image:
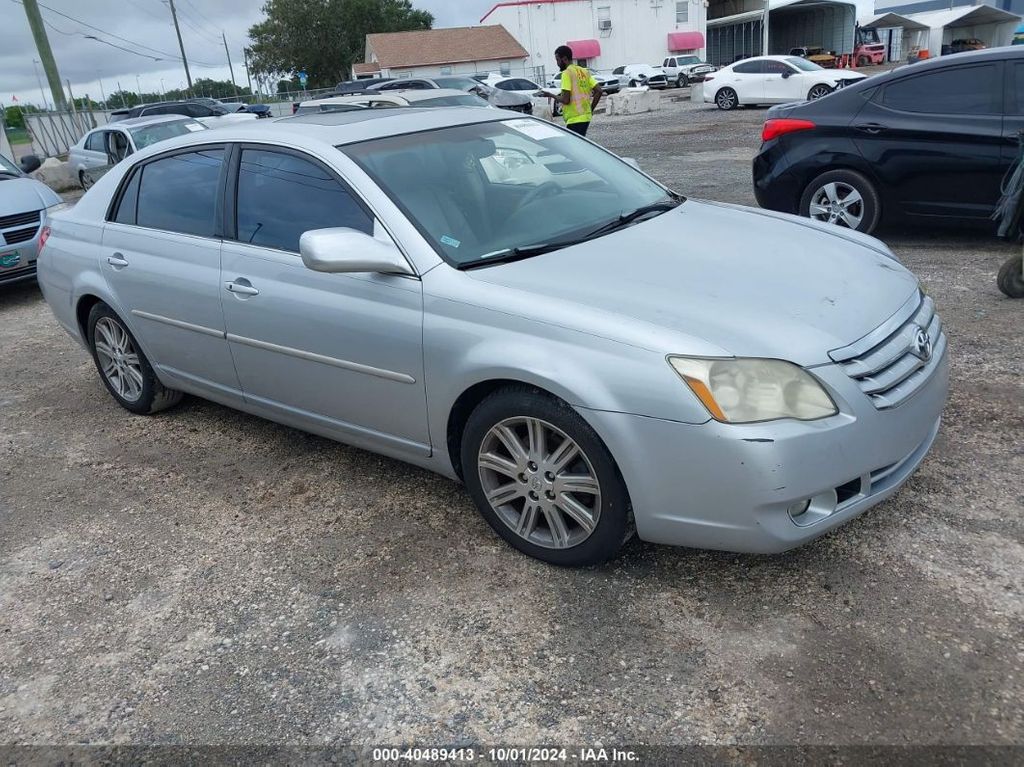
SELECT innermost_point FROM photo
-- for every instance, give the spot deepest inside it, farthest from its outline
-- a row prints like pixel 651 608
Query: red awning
pixel 685 41
pixel 585 49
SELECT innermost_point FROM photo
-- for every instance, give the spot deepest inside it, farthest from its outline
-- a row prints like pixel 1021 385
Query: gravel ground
pixel 208 577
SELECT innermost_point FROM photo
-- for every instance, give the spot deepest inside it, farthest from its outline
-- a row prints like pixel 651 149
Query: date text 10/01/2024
pixel 521 754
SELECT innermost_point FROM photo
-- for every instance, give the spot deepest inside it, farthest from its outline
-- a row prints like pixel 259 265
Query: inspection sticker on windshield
pixel 534 129
pixel 446 240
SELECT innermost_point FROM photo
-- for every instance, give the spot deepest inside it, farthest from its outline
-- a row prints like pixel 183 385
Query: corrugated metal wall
pixel 828 25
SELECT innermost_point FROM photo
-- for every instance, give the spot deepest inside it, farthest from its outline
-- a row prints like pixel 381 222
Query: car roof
pixel 138 122
pixel 322 129
pixel 397 96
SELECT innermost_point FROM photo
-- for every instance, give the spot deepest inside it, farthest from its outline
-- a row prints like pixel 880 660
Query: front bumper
pixel 18 259
pixel 731 487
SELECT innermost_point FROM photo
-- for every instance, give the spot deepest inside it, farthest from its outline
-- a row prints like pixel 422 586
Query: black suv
pixel 187 108
pixel 925 142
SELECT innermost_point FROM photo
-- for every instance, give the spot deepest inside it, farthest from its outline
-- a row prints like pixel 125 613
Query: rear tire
pixel 81 180
pixel 543 479
pixel 123 367
pixel 842 197
pixel 1011 277
pixel 726 99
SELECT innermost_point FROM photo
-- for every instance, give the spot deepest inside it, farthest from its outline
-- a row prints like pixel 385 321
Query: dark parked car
pixel 260 110
pixel 922 143
pixel 358 86
pixel 195 109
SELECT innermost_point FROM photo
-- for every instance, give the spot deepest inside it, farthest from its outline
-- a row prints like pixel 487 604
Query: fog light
pixel 799 508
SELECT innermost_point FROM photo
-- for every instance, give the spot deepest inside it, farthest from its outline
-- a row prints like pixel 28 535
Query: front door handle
pixel 872 128
pixel 241 287
pixel 117 261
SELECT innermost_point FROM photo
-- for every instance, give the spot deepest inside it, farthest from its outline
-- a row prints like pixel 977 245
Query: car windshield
pixel 503 189
pixel 465 100
pixel 458 83
pixel 151 134
pixel 688 60
pixel 8 167
pixel 804 64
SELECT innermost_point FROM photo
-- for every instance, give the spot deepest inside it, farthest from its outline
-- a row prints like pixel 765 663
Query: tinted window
pixel 1016 90
pixel 956 90
pixel 772 67
pixel 129 200
pixel 196 110
pixel 95 142
pixel 748 68
pixel 280 196
pixel 467 100
pixel 179 193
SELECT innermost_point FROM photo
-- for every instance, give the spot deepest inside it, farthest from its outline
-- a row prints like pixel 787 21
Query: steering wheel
pixel 547 189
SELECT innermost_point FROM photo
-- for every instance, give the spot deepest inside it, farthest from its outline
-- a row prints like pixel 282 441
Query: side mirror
pixel 342 251
pixel 30 163
pixel 786 75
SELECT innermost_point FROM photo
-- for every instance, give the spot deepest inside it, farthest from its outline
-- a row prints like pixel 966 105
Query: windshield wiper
pixel 507 255
pixel 634 215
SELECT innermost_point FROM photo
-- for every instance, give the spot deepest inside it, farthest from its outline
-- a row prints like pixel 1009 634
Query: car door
pixel 747 79
pixel 93 153
pixel 342 352
pixel 161 260
pixel 782 83
pixel 935 140
pixel 1013 117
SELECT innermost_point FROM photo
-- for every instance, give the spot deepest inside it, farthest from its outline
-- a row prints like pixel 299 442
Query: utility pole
pixel 35 22
pixel 230 68
pixel 181 45
pixel 245 58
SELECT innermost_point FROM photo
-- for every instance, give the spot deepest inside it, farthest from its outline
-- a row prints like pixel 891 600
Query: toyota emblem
pixel 922 345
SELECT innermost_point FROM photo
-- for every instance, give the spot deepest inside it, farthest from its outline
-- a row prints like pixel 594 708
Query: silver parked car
pixel 25 207
pixel 503 302
pixel 103 147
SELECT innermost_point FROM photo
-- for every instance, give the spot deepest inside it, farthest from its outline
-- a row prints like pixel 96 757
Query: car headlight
pixel 749 390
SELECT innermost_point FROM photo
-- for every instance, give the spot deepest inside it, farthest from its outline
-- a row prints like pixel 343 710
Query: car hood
pixel 21 195
pixel 748 283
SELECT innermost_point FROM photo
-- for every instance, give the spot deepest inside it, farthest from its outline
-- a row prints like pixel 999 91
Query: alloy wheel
pixel 119 359
pixel 837 203
pixel 818 91
pixel 726 98
pixel 539 482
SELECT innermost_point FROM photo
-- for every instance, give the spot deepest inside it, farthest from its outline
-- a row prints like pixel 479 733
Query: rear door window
pixel 282 195
pixel 967 90
pixel 179 193
pixel 748 68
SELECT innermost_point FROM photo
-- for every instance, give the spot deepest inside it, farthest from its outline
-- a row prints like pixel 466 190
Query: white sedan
pixel 772 80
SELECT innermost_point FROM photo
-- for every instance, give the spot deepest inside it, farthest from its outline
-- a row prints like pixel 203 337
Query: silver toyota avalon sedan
pixel 507 304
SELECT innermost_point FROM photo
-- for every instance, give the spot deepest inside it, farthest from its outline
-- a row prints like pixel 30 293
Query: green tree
pixel 217 89
pixel 14 117
pixel 324 37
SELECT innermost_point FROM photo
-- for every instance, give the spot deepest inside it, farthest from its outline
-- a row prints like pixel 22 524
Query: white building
pixel 603 34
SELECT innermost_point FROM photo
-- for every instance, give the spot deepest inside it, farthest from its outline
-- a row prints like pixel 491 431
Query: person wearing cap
pixel 580 92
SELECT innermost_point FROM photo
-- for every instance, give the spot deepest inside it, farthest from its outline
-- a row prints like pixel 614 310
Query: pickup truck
pixel 683 70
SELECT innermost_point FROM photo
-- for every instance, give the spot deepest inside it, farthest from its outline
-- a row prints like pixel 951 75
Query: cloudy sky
pixel 144 26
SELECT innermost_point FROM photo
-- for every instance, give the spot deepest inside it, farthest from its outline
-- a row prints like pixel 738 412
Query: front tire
pixel 123 367
pixel 82 180
pixel 726 99
pixel 863 61
pixel 682 81
pixel 543 479
pixel 1011 277
pixel 842 197
pixel 817 92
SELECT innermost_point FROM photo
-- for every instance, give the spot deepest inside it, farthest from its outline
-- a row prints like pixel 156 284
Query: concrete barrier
pixel 56 174
pixel 632 101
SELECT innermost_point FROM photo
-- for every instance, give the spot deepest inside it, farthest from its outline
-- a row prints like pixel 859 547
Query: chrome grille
pixel 14 236
pixel 890 363
pixel 19 219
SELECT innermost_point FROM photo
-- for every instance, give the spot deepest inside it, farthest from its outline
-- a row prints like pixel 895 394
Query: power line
pixel 199 13
pixel 117 37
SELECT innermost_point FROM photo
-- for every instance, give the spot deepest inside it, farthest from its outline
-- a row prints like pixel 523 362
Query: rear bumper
pixel 731 487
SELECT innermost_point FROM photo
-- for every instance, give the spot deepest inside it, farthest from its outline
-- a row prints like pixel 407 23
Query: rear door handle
pixel 242 288
pixel 117 261
pixel 871 128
